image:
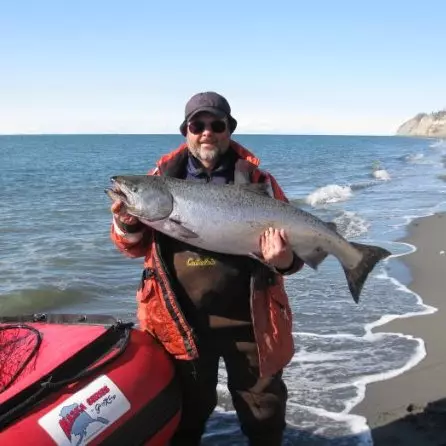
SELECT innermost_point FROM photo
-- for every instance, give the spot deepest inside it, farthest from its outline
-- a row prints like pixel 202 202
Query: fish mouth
pixel 115 192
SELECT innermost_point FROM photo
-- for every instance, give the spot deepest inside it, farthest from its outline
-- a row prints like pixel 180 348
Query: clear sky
pixel 301 67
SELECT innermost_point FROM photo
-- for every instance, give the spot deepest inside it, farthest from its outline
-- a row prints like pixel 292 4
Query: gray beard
pixel 206 155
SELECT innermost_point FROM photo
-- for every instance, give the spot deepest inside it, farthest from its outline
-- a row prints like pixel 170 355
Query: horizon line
pixel 179 134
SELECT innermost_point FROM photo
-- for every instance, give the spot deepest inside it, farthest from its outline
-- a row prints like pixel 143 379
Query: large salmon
pixel 230 219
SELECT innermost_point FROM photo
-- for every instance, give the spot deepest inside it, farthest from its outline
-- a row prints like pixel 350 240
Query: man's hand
pixel 276 249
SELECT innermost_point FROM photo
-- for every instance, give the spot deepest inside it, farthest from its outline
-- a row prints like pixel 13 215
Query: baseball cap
pixel 209 102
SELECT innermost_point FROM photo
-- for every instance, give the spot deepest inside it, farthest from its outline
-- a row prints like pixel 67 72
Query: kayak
pixel 78 379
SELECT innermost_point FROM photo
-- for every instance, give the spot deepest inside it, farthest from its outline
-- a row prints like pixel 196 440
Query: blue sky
pixel 325 67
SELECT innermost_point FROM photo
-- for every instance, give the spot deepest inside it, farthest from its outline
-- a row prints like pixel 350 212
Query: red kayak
pixel 78 380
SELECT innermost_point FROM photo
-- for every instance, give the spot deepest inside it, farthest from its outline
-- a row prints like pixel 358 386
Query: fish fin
pixel 314 258
pixel 243 171
pixel 242 178
pixel 175 229
pixel 357 276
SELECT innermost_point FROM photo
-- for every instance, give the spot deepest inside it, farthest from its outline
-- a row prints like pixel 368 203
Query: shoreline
pixel 410 409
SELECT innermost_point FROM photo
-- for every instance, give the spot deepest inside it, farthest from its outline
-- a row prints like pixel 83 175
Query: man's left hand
pixel 276 249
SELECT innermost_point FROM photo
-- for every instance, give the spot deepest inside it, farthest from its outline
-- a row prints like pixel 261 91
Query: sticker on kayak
pixel 84 415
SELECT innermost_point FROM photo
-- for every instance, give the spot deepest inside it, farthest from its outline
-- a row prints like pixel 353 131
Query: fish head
pixel 143 196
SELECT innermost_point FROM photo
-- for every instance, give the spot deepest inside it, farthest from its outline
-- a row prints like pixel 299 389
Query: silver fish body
pixel 231 218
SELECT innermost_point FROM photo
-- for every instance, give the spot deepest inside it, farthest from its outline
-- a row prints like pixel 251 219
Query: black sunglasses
pixel 197 127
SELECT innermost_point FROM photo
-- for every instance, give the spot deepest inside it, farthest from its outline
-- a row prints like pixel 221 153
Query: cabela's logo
pixel 201 261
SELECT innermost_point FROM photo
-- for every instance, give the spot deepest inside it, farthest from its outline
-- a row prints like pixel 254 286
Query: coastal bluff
pixel 426 125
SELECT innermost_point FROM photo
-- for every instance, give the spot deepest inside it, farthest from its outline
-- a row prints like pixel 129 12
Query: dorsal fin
pixel 243 171
pixel 242 177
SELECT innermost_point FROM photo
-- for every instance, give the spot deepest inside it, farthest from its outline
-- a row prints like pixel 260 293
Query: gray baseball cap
pixel 209 102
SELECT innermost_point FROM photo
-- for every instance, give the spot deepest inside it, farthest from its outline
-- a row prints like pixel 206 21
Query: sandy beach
pixel 410 409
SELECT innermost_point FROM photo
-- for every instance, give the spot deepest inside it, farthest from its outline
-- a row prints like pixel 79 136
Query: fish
pixel 75 420
pixel 229 219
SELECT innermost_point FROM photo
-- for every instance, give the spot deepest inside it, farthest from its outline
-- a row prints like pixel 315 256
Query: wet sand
pixel 410 409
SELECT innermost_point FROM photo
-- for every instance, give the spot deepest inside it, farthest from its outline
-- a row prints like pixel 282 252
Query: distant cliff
pixel 423 124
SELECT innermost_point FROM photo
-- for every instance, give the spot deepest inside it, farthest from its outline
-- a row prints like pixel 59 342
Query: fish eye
pixel 134 189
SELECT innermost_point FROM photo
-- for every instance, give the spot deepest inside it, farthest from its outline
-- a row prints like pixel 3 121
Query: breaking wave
pixel 412 157
pixel 350 224
pixel 381 174
pixel 438 144
pixel 362 185
pixel 332 193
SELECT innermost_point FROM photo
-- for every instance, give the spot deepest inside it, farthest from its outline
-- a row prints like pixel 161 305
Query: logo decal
pixel 201 261
pixel 84 415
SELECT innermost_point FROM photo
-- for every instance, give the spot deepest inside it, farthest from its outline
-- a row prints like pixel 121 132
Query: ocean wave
pixel 322 398
pixel 334 193
pixel 438 144
pixel 331 193
pixel 298 202
pixel 412 157
pixel 362 185
pixel 42 299
pixel 350 224
pixel 381 174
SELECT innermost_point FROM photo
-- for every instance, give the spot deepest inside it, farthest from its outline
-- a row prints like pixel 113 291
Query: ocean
pixel 56 254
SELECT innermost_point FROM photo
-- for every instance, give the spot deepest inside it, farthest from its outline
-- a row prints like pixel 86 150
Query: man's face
pixel 208 137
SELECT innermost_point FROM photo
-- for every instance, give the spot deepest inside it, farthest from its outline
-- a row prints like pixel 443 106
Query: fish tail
pixel 357 276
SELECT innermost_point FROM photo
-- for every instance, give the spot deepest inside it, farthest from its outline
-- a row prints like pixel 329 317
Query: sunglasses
pixel 197 127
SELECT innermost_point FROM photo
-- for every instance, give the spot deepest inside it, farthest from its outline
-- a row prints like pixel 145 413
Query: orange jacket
pixel 158 309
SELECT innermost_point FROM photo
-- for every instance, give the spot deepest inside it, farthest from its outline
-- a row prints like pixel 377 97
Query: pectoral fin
pixel 176 230
pixel 314 258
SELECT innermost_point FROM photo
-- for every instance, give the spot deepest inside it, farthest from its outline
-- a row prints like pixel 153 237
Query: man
pixel 202 305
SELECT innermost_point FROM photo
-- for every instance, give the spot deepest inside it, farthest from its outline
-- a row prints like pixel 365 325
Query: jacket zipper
pixel 188 346
pixel 251 300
